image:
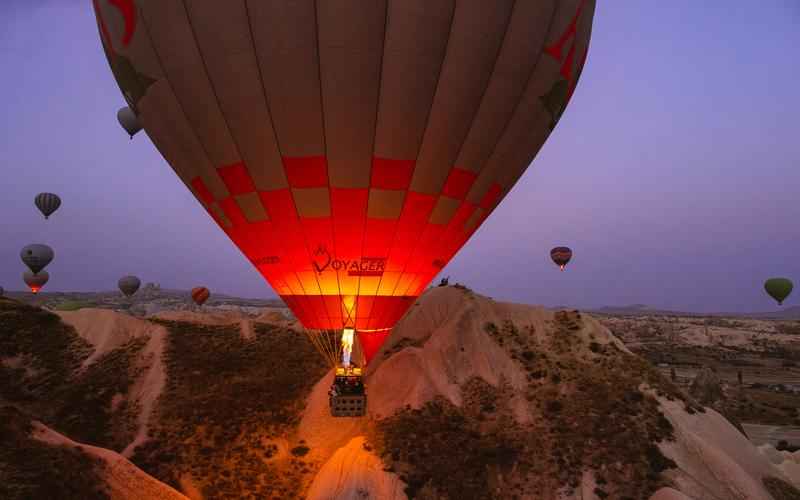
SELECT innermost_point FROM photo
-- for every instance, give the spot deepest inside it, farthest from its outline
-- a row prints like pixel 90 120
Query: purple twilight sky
pixel 675 170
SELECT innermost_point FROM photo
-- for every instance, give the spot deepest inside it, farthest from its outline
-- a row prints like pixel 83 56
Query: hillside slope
pixel 543 402
pixel 469 398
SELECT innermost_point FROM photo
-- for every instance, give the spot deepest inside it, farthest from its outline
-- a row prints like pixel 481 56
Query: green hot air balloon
pixel 778 288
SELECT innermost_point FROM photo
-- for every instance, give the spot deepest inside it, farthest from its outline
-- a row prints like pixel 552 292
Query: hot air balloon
pixel 778 288
pixel 127 118
pixel 561 256
pixel 35 281
pixel 200 294
pixel 128 285
pixel 47 203
pixel 349 149
pixel 36 256
pixel 2 291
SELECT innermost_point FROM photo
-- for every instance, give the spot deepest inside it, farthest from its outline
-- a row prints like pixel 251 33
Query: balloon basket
pixel 348 396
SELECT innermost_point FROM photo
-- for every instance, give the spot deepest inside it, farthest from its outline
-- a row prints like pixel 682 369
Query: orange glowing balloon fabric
pixel 349 149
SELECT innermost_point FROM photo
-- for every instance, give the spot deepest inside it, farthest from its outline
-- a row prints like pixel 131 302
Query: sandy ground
pixel 125 480
pixel 354 472
pixel 324 434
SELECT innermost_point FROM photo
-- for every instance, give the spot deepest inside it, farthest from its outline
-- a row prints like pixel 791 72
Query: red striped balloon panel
pixel 200 295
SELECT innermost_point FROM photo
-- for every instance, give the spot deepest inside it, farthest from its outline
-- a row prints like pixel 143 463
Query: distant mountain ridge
pixel 789 313
pixel 219 298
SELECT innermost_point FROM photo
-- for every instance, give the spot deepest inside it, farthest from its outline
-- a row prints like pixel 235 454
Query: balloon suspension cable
pixel 326 342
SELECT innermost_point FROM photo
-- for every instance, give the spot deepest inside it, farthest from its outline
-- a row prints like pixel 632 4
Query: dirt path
pixel 246 329
pixel 149 387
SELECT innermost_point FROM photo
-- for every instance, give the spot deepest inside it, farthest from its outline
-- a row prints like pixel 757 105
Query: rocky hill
pixel 469 398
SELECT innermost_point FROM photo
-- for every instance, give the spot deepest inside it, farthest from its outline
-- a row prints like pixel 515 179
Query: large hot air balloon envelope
pixel 200 295
pixel 349 149
pixel 561 256
pixel 128 120
pixel 35 281
pixel 47 203
pixel 778 288
pixel 36 256
pixel 128 285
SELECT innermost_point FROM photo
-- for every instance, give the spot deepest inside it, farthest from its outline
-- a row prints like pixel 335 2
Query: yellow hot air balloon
pixel 348 148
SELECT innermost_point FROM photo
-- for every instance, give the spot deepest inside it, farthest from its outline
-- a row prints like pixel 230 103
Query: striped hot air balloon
pixel 47 203
pixel 200 295
pixel 348 148
pixel 561 256
pixel 35 281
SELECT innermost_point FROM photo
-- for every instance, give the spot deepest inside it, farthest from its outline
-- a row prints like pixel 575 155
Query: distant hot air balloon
pixel 36 256
pixel 128 285
pixel 561 256
pixel 2 291
pixel 778 288
pixel 127 118
pixel 47 203
pixel 349 158
pixel 35 281
pixel 200 294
